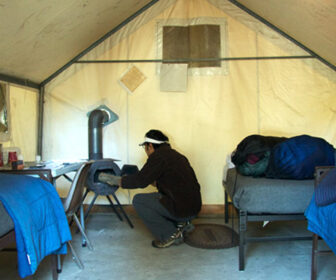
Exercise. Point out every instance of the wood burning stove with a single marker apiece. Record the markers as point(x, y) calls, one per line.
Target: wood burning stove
point(97, 119)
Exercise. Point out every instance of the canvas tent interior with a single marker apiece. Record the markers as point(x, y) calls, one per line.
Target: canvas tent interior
point(276, 76)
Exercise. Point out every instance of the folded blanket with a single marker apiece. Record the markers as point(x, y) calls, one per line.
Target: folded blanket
point(325, 192)
point(41, 227)
point(322, 221)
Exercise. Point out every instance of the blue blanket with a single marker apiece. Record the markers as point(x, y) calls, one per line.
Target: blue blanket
point(322, 221)
point(325, 193)
point(41, 227)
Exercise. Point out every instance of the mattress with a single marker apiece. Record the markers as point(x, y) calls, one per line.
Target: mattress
point(6, 222)
point(268, 196)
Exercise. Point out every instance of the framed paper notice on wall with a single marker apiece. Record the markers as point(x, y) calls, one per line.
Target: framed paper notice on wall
point(132, 79)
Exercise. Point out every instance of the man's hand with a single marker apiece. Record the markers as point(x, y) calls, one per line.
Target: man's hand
point(109, 179)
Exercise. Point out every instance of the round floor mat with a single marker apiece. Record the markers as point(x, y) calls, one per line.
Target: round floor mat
point(212, 236)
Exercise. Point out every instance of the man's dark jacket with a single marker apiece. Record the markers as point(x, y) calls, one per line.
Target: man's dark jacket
point(175, 180)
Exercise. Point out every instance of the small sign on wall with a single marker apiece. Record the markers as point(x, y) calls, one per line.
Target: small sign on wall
point(132, 79)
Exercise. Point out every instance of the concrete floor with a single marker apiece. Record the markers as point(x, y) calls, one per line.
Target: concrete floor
point(124, 253)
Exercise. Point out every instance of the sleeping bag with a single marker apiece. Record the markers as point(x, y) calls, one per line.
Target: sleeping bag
point(252, 154)
point(297, 157)
point(254, 144)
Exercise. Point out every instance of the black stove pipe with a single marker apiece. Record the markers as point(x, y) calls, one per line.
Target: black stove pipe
point(96, 120)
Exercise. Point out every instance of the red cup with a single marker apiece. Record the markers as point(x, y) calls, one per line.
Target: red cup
point(12, 157)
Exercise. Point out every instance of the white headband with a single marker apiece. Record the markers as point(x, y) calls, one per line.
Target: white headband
point(151, 140)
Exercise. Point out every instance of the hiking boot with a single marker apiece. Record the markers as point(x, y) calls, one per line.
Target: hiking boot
point(185, 227)
point(175, 239)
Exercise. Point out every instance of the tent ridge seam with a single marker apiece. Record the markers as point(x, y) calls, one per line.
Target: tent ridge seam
point(284, 34)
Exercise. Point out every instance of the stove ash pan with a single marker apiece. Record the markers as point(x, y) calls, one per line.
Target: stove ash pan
point(98, 166)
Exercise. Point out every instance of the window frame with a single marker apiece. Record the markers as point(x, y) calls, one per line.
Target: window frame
point(6, 136)
point(196, 71)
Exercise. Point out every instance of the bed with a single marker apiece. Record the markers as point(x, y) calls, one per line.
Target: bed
point(6, 223)
point(321, 214)
point(32, 215)
point(264, 199)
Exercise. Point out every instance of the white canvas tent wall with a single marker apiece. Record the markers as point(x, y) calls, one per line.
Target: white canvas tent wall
point(23, 108)
point(273, 97)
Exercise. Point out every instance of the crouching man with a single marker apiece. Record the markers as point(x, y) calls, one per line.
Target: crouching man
point(168, 212)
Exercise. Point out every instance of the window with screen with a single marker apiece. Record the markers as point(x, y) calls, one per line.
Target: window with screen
point(198, 43)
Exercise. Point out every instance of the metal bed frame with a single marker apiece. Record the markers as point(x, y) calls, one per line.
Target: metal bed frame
point(244, 217)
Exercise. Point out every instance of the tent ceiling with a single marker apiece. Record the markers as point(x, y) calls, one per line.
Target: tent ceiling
point(312, 23)
point(39, 37)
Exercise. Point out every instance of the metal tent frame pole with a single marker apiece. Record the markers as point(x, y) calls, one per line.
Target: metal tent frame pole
point(25, 82)
point(19, 81)
point(264, 21)
point(40, 121)
point(186, 60)
point(74, 60)
point(99, 41)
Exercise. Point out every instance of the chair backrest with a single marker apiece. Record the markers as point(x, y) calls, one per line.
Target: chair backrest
point(75, 194)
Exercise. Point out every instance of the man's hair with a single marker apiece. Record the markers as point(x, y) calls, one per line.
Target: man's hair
point(157, 135)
